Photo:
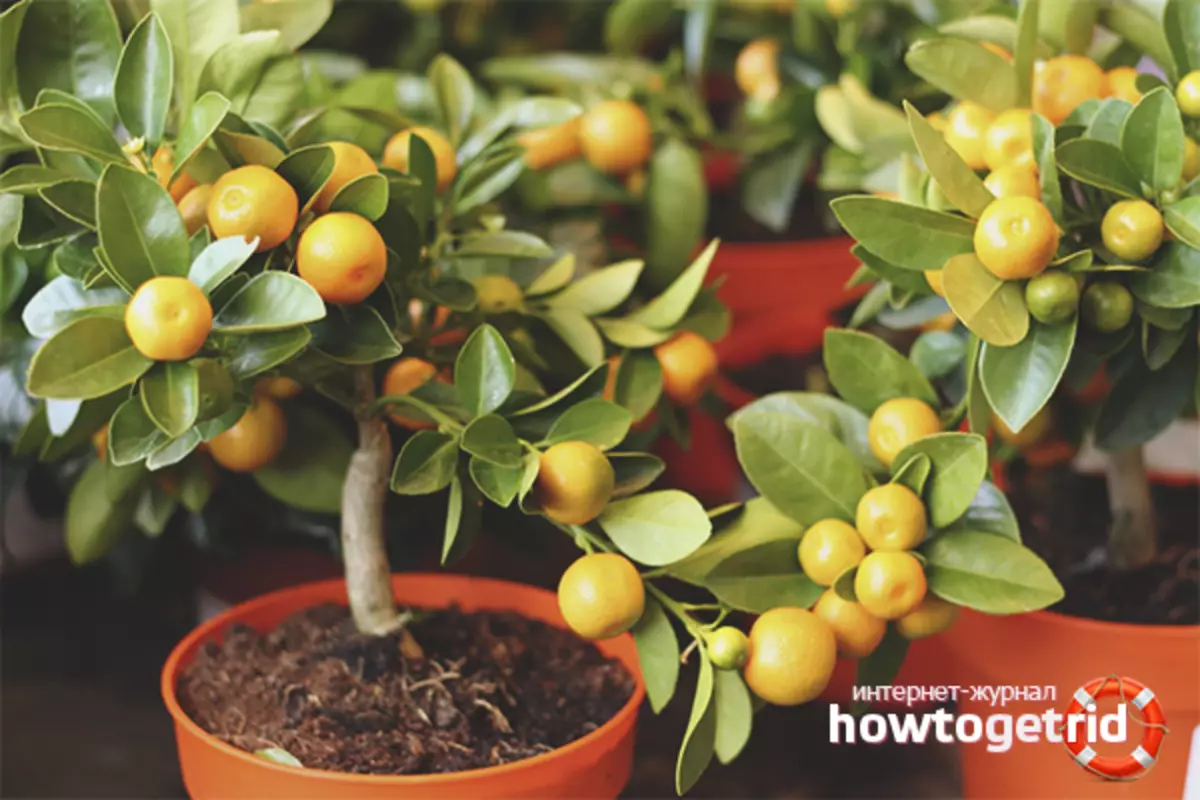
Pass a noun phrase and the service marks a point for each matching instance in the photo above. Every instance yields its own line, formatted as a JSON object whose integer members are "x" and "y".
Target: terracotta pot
{"x": 596, "y": 765}
{"x": 1049, "y": 649}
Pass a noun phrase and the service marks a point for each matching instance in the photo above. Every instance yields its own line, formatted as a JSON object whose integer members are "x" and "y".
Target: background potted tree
{"x": 1055, "y": 280}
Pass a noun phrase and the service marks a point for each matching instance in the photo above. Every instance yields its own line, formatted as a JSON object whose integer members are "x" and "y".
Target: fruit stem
{"x": 364, "y": 493}
{"x": 1133, "y": 538}
{"x": 694, "y": 628}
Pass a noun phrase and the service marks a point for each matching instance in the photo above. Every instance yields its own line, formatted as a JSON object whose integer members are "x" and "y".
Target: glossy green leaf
{"x": 674, "y": 229}
{"x": 215, "y": 388}
{"x": 366, "y": 195}
{"x": 957, "y": 181}
{"x": 72, "y": 46}
{"x": 801, "y": 468}
{"x": 627, "y": 333}
{"x": 75, "y": 200}
{"x": 219, "y": 260}
{"x": 667, "y": 309}
{"x": 938, "y": 353}
{"x": 913, "y": 472}
{"x": 989, "y": 512}
{"x": 132, "y": 435}
{"x": 578, "y": 333}
{"x": 485, "y": 181}
{"x": 1183, "y": 220}
{"x": 600, "y": 291}
{"x": 595, "y": 420}
{"x": 255, "y": 353}
{"x": 310, "y": 471}
{"x": 634, "y": 472}
{"x": 772, "y": 184}
{"x": 657, "y": 528}
{"x": 1020, "y": 380}
{"x": 735, "y": 715}
{"x": 42, "y": 225}
{"x": 1109, "y": 121}
{"x": 28, "y": 178}
{"x": 630, "y": 25}
{"x": 866, "y": 371}
{"x": 197, "y": 29}
{"x": 761, "y": 577}
{"x": 277, "y": 754}
{"x": 355, "y": 335}
{"x": 296, "y": 20}
{"x": 700, "y": 738}
{"x": 144, "y": 79}
{"x": 464, "y": 519}
{"x": 89, "y": 358}
{"x": 198, "y": 127}
{"x": 498, "y": 484}
{"x": 484, "y": 372}
{"x": 639, "y": 382}
{"x": 965, "y": 70}
{"x": 514, "y": 244}
{"x": 989, "y": 573}
{"x": 1181, "y": 21}
{"x": 1152, "y": 140}
{"x": 93, "y": 522}
{"x": 882, "y": 666}
{"x": 902, "y": 234}
{"x": 835, "y": 415}
{"x": 64, "y": 300}
{"x": 240, "y": 149}
{"x": 658, "y": 654}
{"x": 554, "y": 277}
{"x": 991, "y": 308}
{"x": 140, "y": 230}
{"x": 174, "y": 451}
{"x": 1098, "y": 164}
{"x": 62, "y": 127}
{"x": 170, "y": 394}
{"x": 307, "y": 170}
{"x": 491, "y": 438}
{"x": 843, "y": 585}
{"x": 1143, "y": 402}
{"x": 270, "y": 301}
{"x": 1173, "y": 280}
{"x": 1024, "y": 50}
{"x": 236, "y": 67}
{"x": 455, "y": 94}
{"x": 426, "y": 463}
{"x": 960, "y": 462}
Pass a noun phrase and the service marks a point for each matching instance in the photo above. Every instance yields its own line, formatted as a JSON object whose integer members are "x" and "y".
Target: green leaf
{"x": 455, "y": 94}
{"x": 72, "y": 46}
{"x": 1181, "y": 20}
{"x": 626, "y": 333}
{"x": 1098, "y": 164}
{"x": 554, "y": 277}
{"x": 957, "y": 181}
{"x": 270, "y": 301}
{"x": 761, "y": 577}
{"x": 989, "y": 512}
{"x": 698, "y": 35}
{"x": 366, "y": 195}
{"x": 600, "y": 291}
{"x": 237, "y": 66}
{"x": 140, "y": 229}
{"x": 310, "y": 471}
{"x": 426, "y": 463}
{"x": 913, "y": 472}
{"x": 64, "y": 300}
{"x": 484, "y": 372}
{"x": 960, "y": 463}
{"x": 255, "y": 353}
{"x": 42, "y": 225}
{"x": 993, "y": 309}
{"x": 214, "y": 387}
{"x": 639, "y": 382}
{"x": 277, "y": 754}
{"x": 1173, "y": 280}
{"x": 866, "y": 371}
{"x": 296, "y": 20}
{"x": 904, "y": 235}
{"x": 802, "y": 469}
{"x": 132, "y": 435}
{"x": 1020, "y": 380}
{"x": 630, "y": 24}
{"x": 89, "y": 358}
{"x": 498, "y": 484}
{"x": 174, "y": 451}
{"x": 1025, "y": 50}
{"x": 938, "y": 353}
{"x": 240, "y": 149}
{"x": 1152, "y": 140}
{"x": 144, "y": 79}
{"x": 843, "y": 420}
{"x": 198, "y": 127}
{"x": 1143, "y": 402}
{"x": 674, "y": 229}
{"x": 595, "y": 420}
{"x": 62, "y": 127}
{"x": 355, "y": 335}
{"x": 486, "y": 179}
{"x": 94, "y": 523}
{"x": 657, "y": 528}
{"x": 735, "y": 715}
{"x": 700, "y": 738}
{"x": 154, "y": 510}
{"x": 28, "y": 178}
{"x": 658, "y": 654}
{"x": 514, "y": 244}
{"x": 1183, "y": 220}
{"x": 966, "y": 71}
{"x": 634, "y": 472}
{"x": 491, "y": 438}
{"x": 665, "y": 311}
{"x": 307, "y": 170}
{"x": 197, "y": 29}
{"x": 577, "y": 332}
{"x": 75, "y": 200}
{"x": 771, "y": 185}
{"x": 170, "y": 395}
{"x": 464, "y": 517}
{"x": 1109, "y": 121}
{"x": 219, "y": 260}
{"x": 989, "y": 573}
{"x": 882, "y": 665}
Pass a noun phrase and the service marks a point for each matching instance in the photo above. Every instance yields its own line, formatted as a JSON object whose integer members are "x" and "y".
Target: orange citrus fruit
{"x": 934, "y": 278}
{"x": 616, "y": 136}
{"x": 1061, "y": 83}
{"x": 1016, "y": 237}
{"x": 395, "y": 153}
{"x": 1191, "y": 159}
{"x": 1009, "y": 140}
{"x": 689, "y": 367}
{"x": 100, "y": 442}
{"x": 349, "y": 162}
{"x": 931, "y": 617}
{"x": 253, "y": 201}
{"x": 891, "y": 517}
{"x": 1132, "y": 230}
{"x": 756, "y": 70}
{"x": 966, "y": 132}
{"x": 601, "y": 595}
{"x": 545, "y": 147}
{"x": 574, "y": 483}
{"x": 856, "y": 631}
{"x": 1014, "y": 180}
{"x": 828, "y": 548}
{"x": 897, "y": 423}
{"x": 343, "y": 257}
{"x": 792, "y": 656}
{"x": 889, "y": 585}
{"x": 254, "y": 441}
{"x": 278, "y": 387}
{"x": 162, "y": 163}
{"x": 1187, "y": 93}
{"x": 193, "y": 207}
{"x": 402, "y": 377}
{"x": 168, "y": 318}
{"x": 1034, "y": 431}
{"x": 1122, "y": 84}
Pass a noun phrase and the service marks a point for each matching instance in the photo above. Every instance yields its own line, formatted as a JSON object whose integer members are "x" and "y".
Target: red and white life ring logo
{"x": 1154, "y": 727}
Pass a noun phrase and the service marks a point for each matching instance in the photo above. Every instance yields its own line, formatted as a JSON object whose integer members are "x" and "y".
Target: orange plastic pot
{"x": 1049, "y": 649}
{"x": 596, "y": 765}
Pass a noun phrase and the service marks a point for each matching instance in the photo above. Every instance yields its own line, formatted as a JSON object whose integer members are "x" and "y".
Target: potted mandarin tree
{"x": 1069, "y": 260}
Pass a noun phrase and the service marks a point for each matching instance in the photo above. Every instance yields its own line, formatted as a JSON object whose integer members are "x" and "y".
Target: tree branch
{"x": 1133, "y": 538}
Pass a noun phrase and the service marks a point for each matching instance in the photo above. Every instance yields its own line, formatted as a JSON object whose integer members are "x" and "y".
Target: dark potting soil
{"x": 488, "y": 689}
{"x": 1064, "y": 518}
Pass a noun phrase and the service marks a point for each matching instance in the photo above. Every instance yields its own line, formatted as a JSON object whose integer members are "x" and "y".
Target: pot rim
{"x": 1060, "y": 619}
{"x": 217, "y": 624}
